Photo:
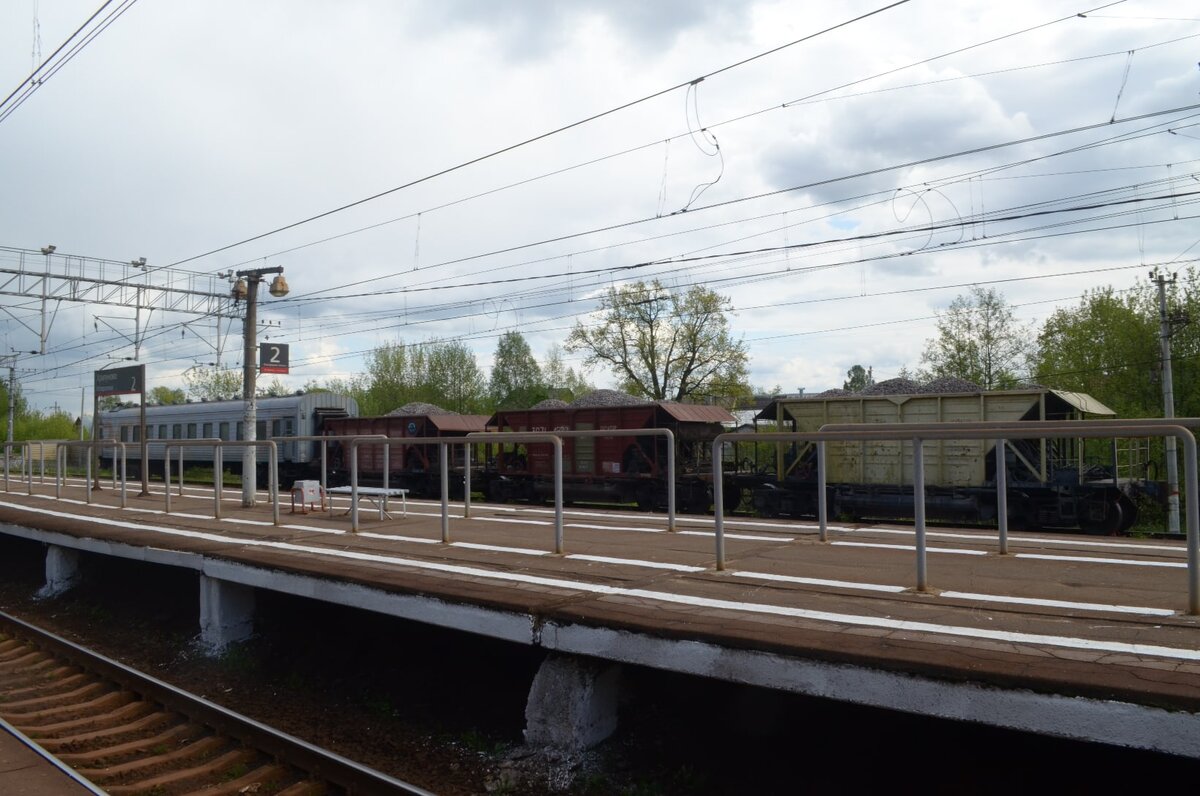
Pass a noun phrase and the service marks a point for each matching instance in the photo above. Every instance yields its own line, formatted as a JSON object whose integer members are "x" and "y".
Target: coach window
{"x": 260, "y": 429}
{"x": 276, "y": 427}
{"x": 207, "y": 431}
{"x": 241, "y": 431}
{"x": 223, "y": 431}
{"x": 135, "y": 434}
{"x": 124, "y": 433}
{"x": 176, "y": 431}
{"x": 289, "y": 428}
{"x": 191, "y": 428}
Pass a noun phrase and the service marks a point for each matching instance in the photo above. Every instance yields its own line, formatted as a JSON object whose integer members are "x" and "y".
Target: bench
{"x": 377, "y": 496}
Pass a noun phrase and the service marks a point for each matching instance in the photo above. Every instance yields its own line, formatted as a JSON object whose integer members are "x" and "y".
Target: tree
{"x": 664, "y": 345}
{"x": 1107, "y": 347}
{"x": 165, "y": 396}
{"x": 858, "y": 379}
{"x": 979, "y": 340}
{"x": 516, "y": 380}
{"x": 562, "y": 381}
{"x": 436, "y": 372}
{"x": 214, "y": 384}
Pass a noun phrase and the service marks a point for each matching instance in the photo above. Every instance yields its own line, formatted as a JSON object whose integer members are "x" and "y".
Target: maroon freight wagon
{"x": 616, "y": 469}
{"x": 414, "y": 466}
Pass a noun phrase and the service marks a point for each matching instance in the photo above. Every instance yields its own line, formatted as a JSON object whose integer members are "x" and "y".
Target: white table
{"x": 376, "y": 495}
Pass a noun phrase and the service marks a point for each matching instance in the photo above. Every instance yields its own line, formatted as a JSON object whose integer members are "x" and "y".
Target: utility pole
{"x": 246, "y": 288}
{"x": 1164, "y": 332}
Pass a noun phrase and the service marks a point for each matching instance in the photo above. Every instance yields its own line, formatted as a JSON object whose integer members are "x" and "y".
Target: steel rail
{"x": 344, "y": 773}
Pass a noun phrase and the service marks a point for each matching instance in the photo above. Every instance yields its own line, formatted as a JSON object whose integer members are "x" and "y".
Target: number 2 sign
{"x": 272, "y": 358}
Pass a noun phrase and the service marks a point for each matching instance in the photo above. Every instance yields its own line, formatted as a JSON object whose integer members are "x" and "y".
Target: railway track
{"x": 128, "y": 733}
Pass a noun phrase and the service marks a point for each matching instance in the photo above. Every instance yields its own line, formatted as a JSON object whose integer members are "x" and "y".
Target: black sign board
{"x": 120, "y": 381}
{"x": 272, "y": 358}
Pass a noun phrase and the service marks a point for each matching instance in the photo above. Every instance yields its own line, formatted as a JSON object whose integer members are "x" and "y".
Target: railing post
{"x": 444, "y": 466}
{"x": 354, "y": 486}
{"x": 1002, "y": 495}
{"x": 167, "y": 475}
{"x": 670, "y": 435}
{"x": 718, "y": 503}
{"x": 919, "y": 511}
{"x": 466, "y": 480}
{"x": 124, "y": 470}
{"x": 558, "y": 495}
{"x": 387, "y": 466}
{"x": 87, "y": 490}
{"x": 1192, "y": 496}
{"x": 218, "y": 466}
{"x": 181, "y": 471}
{"x": 273, "y": 481}
{"x": 822, "y": 496}
{"x": 59, "y": 456}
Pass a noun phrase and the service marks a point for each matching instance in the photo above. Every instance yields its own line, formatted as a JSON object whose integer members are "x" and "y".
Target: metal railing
{"x": 218, "y": 445}
{"x": 534, "y": 436}
{"x": 919, "y": 433}
{"x": 88, "y": 445}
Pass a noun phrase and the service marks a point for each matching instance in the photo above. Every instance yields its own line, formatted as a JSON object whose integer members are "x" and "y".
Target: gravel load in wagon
{"x": 607, "y": 398}
{"x": 951, "y": 384}
{"x": 420, "y": 408}
{"x": 550, "y": 403}
{"x": 897, "y": 386}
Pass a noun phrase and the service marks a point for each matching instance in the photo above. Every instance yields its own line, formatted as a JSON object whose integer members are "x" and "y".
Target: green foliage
{"x": 665, "y": 345}
{"x": 165, "y": 396}
{"x": 562, "y": 381}
{"x": 1107, "y": 346}
{"x": 516, "y": 380}
{"x": 214, "y": 384}
{"x": 858, "y": 379}
{"x": 979, "y": 340}
{"x": 437, "y": 372}
{"x": 44, "y": 425}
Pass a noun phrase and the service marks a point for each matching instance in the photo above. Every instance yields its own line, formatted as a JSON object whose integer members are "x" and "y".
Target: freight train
{"x": 1052, "y": 484}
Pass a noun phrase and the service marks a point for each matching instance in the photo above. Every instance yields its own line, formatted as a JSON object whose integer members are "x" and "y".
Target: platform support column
{"x": 62, "y": 571}
{"x": 572, "y": 703}
{"x": 226, "y": 613}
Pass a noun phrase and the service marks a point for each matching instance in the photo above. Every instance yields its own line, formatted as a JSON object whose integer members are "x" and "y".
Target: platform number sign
{"x": 120, "y": 381}
{"x": 272, "y": 358}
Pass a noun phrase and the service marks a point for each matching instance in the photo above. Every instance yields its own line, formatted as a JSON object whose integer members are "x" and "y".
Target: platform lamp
{"x": 246, "y": 288}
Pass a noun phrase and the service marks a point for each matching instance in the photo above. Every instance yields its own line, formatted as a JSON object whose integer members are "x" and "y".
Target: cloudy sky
{"x": 841, "y": 171}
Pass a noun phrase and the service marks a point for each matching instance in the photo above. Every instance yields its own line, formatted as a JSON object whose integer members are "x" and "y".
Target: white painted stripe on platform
{"x": 742, "y": 536}
{"x": 632, "y": 528}
{"x": 950, "y": 550}
{"x": 1094, "y": 560}
{"x": 957, "y": 595}
{"x": 852, "y": 620}
{"x": 521, "y": 551}
{"x": 635, "y": 563}
{"x": 1072, "y": 540}
{"x": 512, "y": 521}
{"x": 837, "y": 584}
{"x": 995, "y": 598}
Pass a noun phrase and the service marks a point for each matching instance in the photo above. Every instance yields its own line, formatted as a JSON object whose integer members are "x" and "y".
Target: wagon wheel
{"x": 645, "y": 497}
{"x": 1110, "y": 524}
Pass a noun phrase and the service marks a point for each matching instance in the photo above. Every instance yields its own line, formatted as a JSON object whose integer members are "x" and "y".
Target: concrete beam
{"x": 62, "y": 571}
{"x": 226, "y": 613}
{"x": 573, "y": 703}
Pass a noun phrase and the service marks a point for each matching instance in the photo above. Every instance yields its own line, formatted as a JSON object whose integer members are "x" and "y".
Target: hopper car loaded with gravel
{"x": 1052, "y": 484}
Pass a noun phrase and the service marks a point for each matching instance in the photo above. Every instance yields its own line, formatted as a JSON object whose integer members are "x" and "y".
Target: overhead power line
{"x": 542, "y": 136}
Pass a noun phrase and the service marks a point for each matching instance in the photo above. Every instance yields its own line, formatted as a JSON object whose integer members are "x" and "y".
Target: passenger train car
{"x": 277, "y": 418}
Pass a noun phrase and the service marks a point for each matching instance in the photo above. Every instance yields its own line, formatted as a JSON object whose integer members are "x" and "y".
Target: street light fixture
{"x": 246, "y": 288}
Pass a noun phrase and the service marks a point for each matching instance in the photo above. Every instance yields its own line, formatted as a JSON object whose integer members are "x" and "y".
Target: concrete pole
{"x": 249, "y": 386}
{"x": 1164, "y": 333}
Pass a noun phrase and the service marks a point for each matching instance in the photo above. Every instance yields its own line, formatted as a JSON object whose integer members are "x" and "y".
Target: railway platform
{"x": 26, "y": 772}
{"x": 1080, "y": 637}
